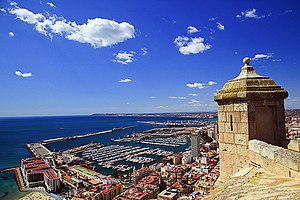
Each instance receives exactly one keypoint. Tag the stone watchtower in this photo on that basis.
(249, 107)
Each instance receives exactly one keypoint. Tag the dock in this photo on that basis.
(38, 150)
(84, 135)
(109, 155)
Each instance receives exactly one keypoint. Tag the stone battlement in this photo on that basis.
(254, 163)
(275, 159)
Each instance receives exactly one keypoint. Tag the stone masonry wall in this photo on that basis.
(237, 125)
(279, 120)
(275, 159)
(233, 137)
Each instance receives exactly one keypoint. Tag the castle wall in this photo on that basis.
(267, 121)
(275, 159)
(233, 137)
(249, 107)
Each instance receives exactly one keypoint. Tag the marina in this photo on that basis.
(179, 123)
(107, 156)
(171, 142)
(82, 148)
(70, 151)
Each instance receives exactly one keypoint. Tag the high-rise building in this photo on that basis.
(37, 172)
(195, 144)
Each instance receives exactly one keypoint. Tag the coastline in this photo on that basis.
(35, 195)
(12, 184)
(27, 194)
(19, 179)
(60, 127)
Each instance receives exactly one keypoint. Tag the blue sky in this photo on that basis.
(73, 57)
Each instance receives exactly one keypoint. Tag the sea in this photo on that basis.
(15, 132)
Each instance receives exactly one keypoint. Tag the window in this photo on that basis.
(231, 123)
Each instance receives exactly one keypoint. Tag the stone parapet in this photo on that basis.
(294, 145)
(279, 160)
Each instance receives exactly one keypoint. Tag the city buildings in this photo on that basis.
(106, 190)
(195, 137)
(37, 172)
(168, 194)
(139, 174)
(179, 174)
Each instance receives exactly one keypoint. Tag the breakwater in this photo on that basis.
(84, 135)
(19, 178)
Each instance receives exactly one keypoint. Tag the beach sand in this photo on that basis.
(35, 195)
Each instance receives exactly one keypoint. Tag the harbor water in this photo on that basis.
(18, 131)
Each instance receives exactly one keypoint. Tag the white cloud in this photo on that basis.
(191, 45)
(220, 26)
(196, 103)
(211, 83)
(181, 98)
(25, 75)
(124, 58)
(193, 94)
(97, 32)
(276, 60)
(196, 85)
(212, 18)
(62, 27)
(13, 3)
(262, 56)
(51, 5)
(181, 41)
(144, 51)
(27, 16)
(287, 11)
(250, 14)
(101, 32)
(126, 80)
(192, 29)
(152, 97)
(2, 10)
(292, 102)
(11, 34)
(161, 107)
(200, 85)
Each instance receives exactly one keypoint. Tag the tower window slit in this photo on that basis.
(231, 123)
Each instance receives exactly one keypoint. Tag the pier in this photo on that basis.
(38, 150)
(84, 135)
